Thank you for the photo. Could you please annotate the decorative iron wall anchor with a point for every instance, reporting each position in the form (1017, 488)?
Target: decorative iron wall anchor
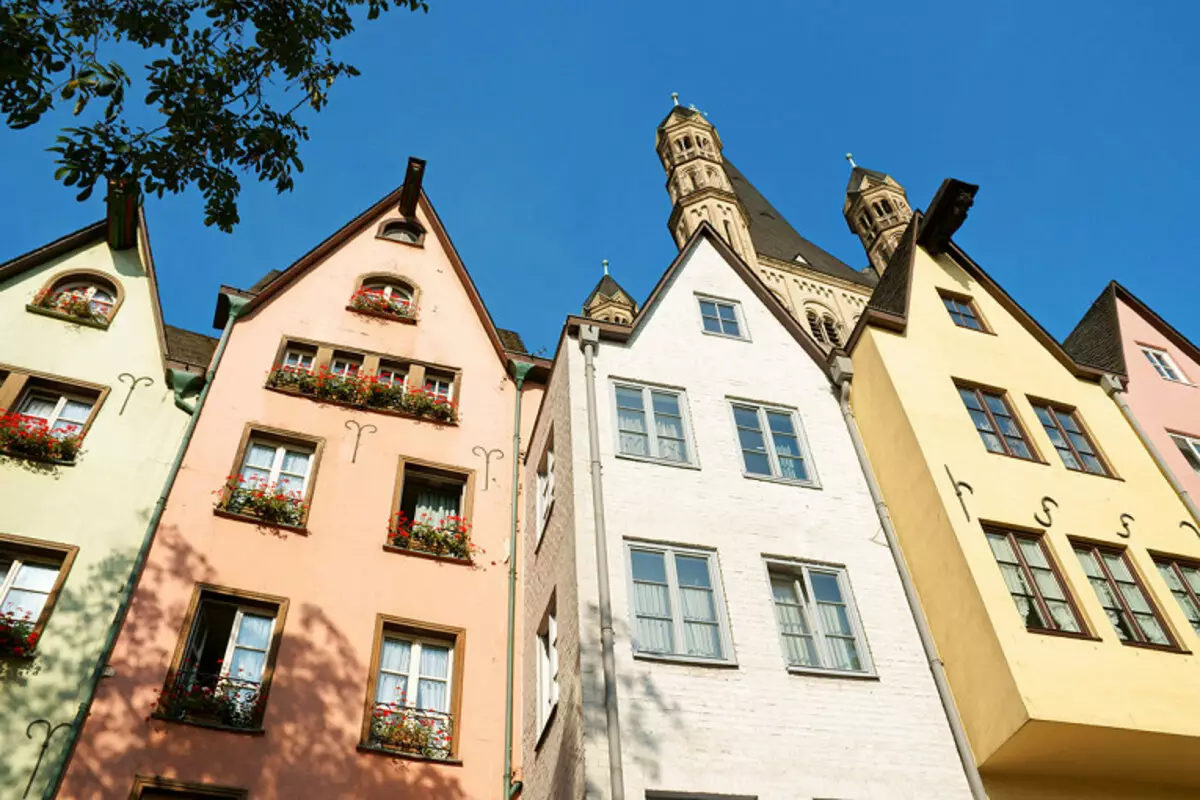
(50, 731)
(1189, 526)
(479, 450)
(958, 490)
(1125, 520)
(133, 384)
(1049, 520)
(369, 428)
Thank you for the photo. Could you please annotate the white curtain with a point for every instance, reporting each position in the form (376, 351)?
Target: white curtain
(653, 635)
(435, 506)
(40, 407)
(259, 459)
(393, 668)
(29, 591)
(250, 646)
(700, 627)
(433, 693)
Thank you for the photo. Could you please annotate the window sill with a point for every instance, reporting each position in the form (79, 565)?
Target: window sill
(49, 312)
(686, 661)
(53, 462)
(383, 315)
(660, 461)
(215, 726)
(1095, 474)
(543, 526)
(408, 551)
(783, 481)
(817, 672)
(1083, 637)
(546, 725)
(360, 406)
(381, 751)
(1162, 648)
(260, 523)
(726, 336)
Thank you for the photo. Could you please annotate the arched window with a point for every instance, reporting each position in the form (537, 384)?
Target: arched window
(865, 222)
(878, 209)
(386, 295)
(887, 206)
(814, 326)
(86, 297)
(406, 231)
(831, 330)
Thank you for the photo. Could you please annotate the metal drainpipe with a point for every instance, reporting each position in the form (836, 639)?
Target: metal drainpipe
(843, 374)
(511, 787)
(139, 563)
(589, 339)
(1113, 388)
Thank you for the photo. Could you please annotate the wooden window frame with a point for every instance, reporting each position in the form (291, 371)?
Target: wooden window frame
(257, 430)
(739, 319)
(237, 597)
(457, 639)
(1054, 408)
(545, 479)
(143, 782)
(647, 389)
(800, 572)
(548, 670)
(1181, 440)
(391, 278)
(1096, 549)
(411, 223)
(1174, 563)
(980, 390)
(1039, 537)
(42, 551)
(761, 410)
(81, 276)
(1155, 355)
(467, 511)
(969, 302)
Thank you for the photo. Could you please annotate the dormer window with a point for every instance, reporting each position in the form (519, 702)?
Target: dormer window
(84, 297)
(404, 231)
(386, 296)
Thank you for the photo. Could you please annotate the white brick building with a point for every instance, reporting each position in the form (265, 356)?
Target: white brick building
(724, 716)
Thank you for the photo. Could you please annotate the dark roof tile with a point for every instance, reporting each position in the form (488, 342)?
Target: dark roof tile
(891, 295)
(512, 341)
(1096, 340)
(188, 347)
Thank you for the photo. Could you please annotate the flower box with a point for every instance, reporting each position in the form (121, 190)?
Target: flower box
(410, 730)
(30, 437)
(450, 537)
(262, 500)
(216, 699)
(363, 391)
(75, 305)
(379, 305)
(17, 636)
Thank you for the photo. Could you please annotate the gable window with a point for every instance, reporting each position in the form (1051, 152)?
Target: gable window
(962, 310)
(676, 608)
(223, 670)
(780, 454)
(31, 575)
(547, 668)
(1124, 598)
(1183, 579)
(721, 317)
(405, 231)
(818, 625)
(1189, 447)
(274, 479)
(996, 423)
(85, 297)
(545, 487)
(1066, 433)
(385, 296)
(433, 510)
(414, 693)
(1034, 582)
(1163, 364)
(665, 437)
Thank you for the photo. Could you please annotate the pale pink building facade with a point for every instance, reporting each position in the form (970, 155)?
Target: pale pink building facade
(315, 651)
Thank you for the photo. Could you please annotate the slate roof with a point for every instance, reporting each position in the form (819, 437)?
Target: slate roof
(512, 341)
(189, 347)
(607, 287)
(775, 238)
(861, 172)
(891, 295)
(264, 280)
(683, 111)
(1096, 340)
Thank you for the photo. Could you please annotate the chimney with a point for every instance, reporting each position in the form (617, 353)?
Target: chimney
(122, 213)
(412, 186)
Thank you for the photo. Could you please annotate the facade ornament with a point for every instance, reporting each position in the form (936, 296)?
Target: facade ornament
(1189, 526)
(486, 455)
(958, 488)
(133, 384)
(369, 428)
(1125, 520)
(50, 731)
(1049, 520)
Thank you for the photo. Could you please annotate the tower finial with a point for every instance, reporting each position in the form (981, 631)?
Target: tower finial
(604, 263)
(675, 98)
(850, 158)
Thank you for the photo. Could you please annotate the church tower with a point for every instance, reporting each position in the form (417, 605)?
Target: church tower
(700, 189)
(608, 302)
(876, 209)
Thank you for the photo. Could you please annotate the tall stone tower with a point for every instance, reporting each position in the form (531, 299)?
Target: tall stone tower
(876, 209)
(608, 302)
(690, 151)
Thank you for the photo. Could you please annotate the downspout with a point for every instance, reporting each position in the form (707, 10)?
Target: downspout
(1113, 388)
(139, 563)
(589, 340)
(843, 373)
(511, 787)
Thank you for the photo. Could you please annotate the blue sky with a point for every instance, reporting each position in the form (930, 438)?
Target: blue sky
(1077, 119)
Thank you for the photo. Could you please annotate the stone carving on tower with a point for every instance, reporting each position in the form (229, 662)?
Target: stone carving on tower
(608, 302)
(876, 209)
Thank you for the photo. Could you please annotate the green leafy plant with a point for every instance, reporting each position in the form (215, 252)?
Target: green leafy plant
(215, 698)
(376, 302)
(449, 536)
(30, 437)
(395, 726)
(259, 498)
(17, 636)
(74, 304)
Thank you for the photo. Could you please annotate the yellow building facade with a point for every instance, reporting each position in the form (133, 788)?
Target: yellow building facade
(1037, 528)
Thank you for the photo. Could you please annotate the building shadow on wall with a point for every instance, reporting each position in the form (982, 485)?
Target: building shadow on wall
(312, 722)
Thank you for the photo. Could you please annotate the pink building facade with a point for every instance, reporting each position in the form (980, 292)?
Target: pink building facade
(291, 636)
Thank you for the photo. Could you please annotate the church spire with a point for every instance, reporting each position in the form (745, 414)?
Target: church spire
(608, 302)
(876, 209)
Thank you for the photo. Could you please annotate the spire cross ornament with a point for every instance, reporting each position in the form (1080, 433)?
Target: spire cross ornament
(675, 98)
(850, 158)
(604, 263)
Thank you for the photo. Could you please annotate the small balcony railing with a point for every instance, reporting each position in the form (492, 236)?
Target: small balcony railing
(411, 730)
(212, 698)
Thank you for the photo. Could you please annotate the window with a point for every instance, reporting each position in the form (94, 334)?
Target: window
(666, 438)
(90, 297)
(677, 610)
(31, 575)
(299, 358)
(284, 466)
(721, 317)
(1034, 582)
(818, 626)
(392, 374)
(156, 788)
(1125, 601)
(345, 365)
(64, 414)
(222, 673)
(547, 668)
(394, 291)
(1066, 433)
(814, 326)
(273, 478)
(44, 417)
(962, 311)
(414, 698)
(887, 206)
(439, 385)
(832, 334)
(1183, 579)
(996, 422)
(1163, 364)
(387, 296)
(780, 455)
(545, 487)
(1189, 447)
(432, 510)
(403, 231)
